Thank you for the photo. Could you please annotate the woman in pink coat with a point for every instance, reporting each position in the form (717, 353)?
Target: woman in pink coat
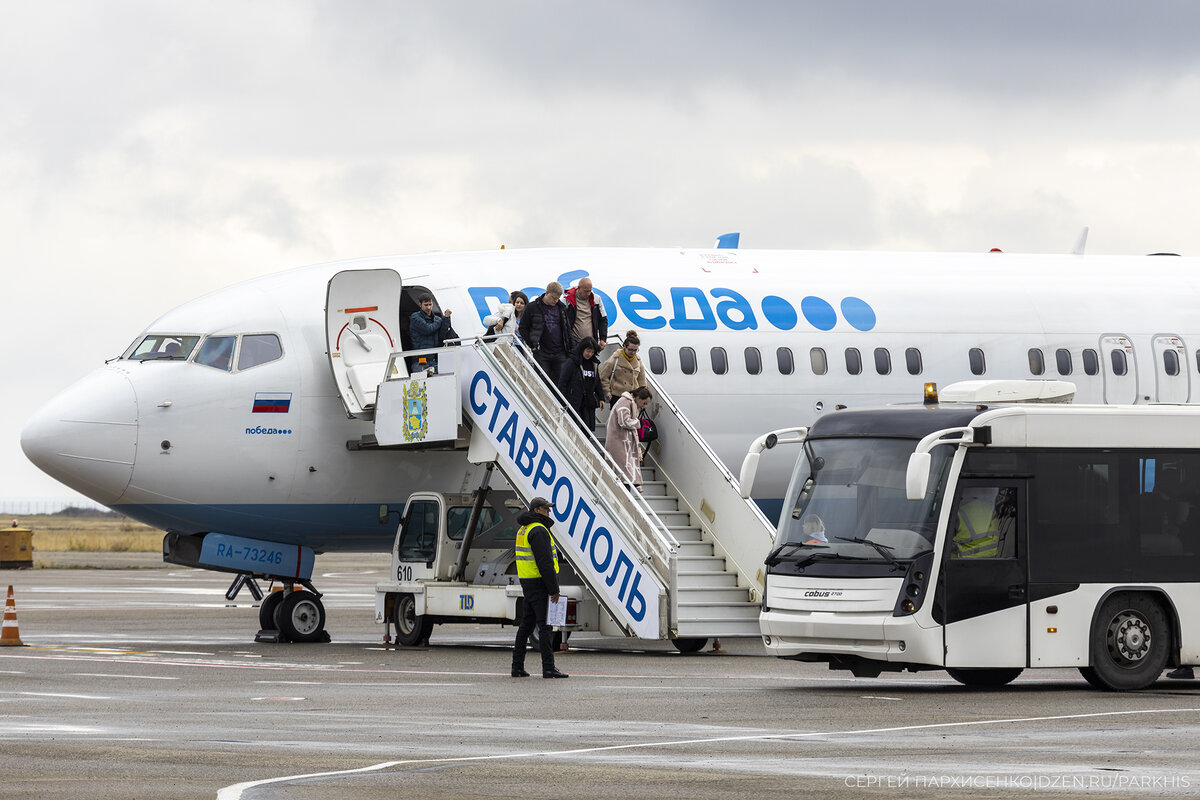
(621, 439)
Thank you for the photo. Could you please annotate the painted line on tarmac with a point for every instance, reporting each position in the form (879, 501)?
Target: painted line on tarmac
(53, 694)
(237, 791)
(117, 675)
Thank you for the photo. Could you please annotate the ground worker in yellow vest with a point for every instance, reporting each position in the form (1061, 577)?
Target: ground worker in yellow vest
(976, 535)
(537, 569)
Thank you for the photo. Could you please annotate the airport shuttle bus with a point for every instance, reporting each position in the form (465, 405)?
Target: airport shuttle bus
(985, 538)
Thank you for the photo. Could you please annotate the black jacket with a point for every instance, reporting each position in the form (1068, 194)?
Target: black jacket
(539, 543)
(580, 380)
(533, 324)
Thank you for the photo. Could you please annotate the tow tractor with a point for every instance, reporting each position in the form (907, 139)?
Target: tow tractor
(454, 561)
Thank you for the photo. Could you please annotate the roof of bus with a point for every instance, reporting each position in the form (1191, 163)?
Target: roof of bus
(897, 422)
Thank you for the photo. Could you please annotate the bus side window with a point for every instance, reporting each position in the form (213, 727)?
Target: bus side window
(985, 523)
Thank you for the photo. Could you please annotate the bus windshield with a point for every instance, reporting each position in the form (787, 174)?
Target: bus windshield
(846, 500)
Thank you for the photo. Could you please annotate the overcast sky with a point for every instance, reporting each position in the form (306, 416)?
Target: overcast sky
(151, 152)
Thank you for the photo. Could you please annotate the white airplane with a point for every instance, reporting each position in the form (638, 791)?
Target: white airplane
(224, 415)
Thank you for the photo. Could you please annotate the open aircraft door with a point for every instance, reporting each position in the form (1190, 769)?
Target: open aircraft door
(362, 329)
(1120, 369)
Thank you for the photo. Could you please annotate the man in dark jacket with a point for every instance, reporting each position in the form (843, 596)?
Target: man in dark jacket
(585, 314)
(537, 569)
(544, 328)
(580, 383)
(427, 330)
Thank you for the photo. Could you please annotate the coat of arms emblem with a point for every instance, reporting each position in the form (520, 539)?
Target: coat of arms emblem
(416, 408)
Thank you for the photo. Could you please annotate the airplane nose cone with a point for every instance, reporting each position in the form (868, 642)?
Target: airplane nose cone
(86, 437)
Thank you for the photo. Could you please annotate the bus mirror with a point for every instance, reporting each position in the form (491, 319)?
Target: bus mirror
(916, 480)
(383, 515)
(749, 469)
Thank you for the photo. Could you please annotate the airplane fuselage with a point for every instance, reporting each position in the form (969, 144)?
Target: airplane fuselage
(744, 341)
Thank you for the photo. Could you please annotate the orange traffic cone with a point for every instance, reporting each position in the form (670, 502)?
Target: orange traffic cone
(10, 636)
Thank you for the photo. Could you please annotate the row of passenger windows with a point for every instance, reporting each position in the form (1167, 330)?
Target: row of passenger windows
(785, 361)
(819, 361)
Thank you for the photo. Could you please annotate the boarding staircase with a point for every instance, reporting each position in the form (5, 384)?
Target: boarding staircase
(681, 561)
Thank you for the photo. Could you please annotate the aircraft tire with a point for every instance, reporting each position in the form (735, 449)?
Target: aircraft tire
(411, 628)
(266, 611)
(300, 617)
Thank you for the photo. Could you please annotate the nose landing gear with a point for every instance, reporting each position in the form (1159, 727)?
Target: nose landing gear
(288, 613)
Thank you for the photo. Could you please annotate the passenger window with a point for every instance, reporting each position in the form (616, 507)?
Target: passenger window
(687, 360)
(978, 365)
(658, 360)
(753, 361)
(1037, 361)
(217, 352)
(1091, 362)
(783, 357)
(1170, 362)
(720, 364)
(1119, 364)
(853, 361)
(1063, 357)
(259, 348)
(820, 364)
(883, 361)
(912, 357)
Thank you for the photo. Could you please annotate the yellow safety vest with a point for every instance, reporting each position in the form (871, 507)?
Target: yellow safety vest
(976, 537)
(526, 565)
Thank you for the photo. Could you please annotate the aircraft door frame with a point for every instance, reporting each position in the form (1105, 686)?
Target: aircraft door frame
(1119, 389)
(1171, 388)
(362, 330)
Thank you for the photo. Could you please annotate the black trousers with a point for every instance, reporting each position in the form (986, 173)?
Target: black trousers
(537, 601)
(552, 365)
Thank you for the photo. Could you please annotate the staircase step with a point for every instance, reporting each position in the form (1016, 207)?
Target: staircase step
(694, 549)
(729, 628)
(713, 594)
(690, 565)
(663, 503)
(714, 611)
(654, 488)
(686, 534)
(706, 580)
(673, 519)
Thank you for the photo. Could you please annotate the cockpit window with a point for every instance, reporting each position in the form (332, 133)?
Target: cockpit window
(217, 352)
(165, 347)
(259, 348)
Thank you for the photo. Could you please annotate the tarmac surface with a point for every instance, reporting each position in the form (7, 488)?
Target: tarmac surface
(139, 680)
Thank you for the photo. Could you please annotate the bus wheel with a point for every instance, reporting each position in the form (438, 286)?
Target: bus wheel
(411, 628)
(689, 645)
(1131, 641)
(998, 676)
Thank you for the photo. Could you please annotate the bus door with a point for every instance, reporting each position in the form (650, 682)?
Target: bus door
(984, 587)
(1170, 369)
(1120, 369)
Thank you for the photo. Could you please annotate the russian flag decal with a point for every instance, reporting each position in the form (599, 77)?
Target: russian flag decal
(272, 402)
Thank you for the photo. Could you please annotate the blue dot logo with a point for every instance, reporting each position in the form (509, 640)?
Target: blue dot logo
(819, 313)
(779, 312)
(860, 315)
